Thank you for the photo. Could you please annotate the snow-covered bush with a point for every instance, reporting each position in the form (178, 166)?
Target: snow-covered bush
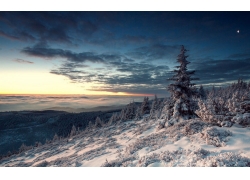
(154, 141)
(120, 162)
(194, 126)
(245, 105)
(226, 123)
(216, 137)
(242, 119)
(206, 111)
(226, 159)
(186, 128)
(234, 104)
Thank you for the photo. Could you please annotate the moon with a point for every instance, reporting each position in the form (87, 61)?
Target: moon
(238, 31)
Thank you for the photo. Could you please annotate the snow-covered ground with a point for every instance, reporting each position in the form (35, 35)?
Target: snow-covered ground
(140, 143)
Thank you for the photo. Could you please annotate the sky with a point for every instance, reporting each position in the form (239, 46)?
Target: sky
(119, 53)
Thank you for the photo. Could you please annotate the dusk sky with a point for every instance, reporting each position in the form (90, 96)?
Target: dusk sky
(118, 53)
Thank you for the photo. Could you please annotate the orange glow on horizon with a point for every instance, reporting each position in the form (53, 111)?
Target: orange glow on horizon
(90, 94)
(44, 83)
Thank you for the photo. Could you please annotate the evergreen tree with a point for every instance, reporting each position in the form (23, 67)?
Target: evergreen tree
(202, 93)
(155, 108)
(130, 111)
(98, 122)
(182, 89)
(73, 131)
(145, 109)
(113, 119)
(138, 114)
(55, 138)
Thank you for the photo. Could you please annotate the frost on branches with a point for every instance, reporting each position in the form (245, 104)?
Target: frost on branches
(145, 109)
(226, 106)
(182, 90)
(155, 109)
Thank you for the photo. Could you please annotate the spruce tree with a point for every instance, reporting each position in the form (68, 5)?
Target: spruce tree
(130, 111)
(145, 109)
(182, 89)
(98, 122)
(73, 131)
(138, 114)
(155, 108)
(202, 93)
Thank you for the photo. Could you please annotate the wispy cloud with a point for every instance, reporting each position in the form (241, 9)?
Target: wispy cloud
(220, 71)
(23, 61)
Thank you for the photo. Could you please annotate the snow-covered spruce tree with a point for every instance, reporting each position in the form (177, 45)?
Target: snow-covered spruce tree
(23, 147)
(167, 110)
(155, 109)
(73, 131)
(138, 113)
(145, 109)
(98, 122)
(113, 119)
(182, 90)
(55, 138)
(130, 111)
(202, 93)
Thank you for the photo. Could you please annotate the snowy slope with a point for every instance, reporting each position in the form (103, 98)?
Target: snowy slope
(141, 143)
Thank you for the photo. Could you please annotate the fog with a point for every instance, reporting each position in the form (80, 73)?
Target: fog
(42, 102)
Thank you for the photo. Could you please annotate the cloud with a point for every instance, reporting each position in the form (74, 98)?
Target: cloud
(139, 89)
(23, 61)
(155, 52)
(221, 71)
(60, 27)
(239, 56)
(123, 73)
(46, 52)
(117, 69)
(8, 35)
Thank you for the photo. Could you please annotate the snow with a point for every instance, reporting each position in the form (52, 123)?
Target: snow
(140, 143)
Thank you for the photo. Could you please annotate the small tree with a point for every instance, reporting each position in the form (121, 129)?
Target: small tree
(73, 131)
(113, 119)
(155, 109)
(145, 109)
(55, 138)
(98, 122)
(138, 114)
(202, 93)
(182, 90)
(130, 111)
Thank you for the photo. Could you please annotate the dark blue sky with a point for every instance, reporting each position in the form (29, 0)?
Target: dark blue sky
(131, 52)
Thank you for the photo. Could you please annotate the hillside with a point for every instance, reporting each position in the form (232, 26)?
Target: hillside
(151, 133)
(142, 143)
(33, 127)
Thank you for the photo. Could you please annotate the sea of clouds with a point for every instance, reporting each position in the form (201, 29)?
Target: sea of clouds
(42, 102)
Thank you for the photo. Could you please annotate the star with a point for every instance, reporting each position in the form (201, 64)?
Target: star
(238, 31)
